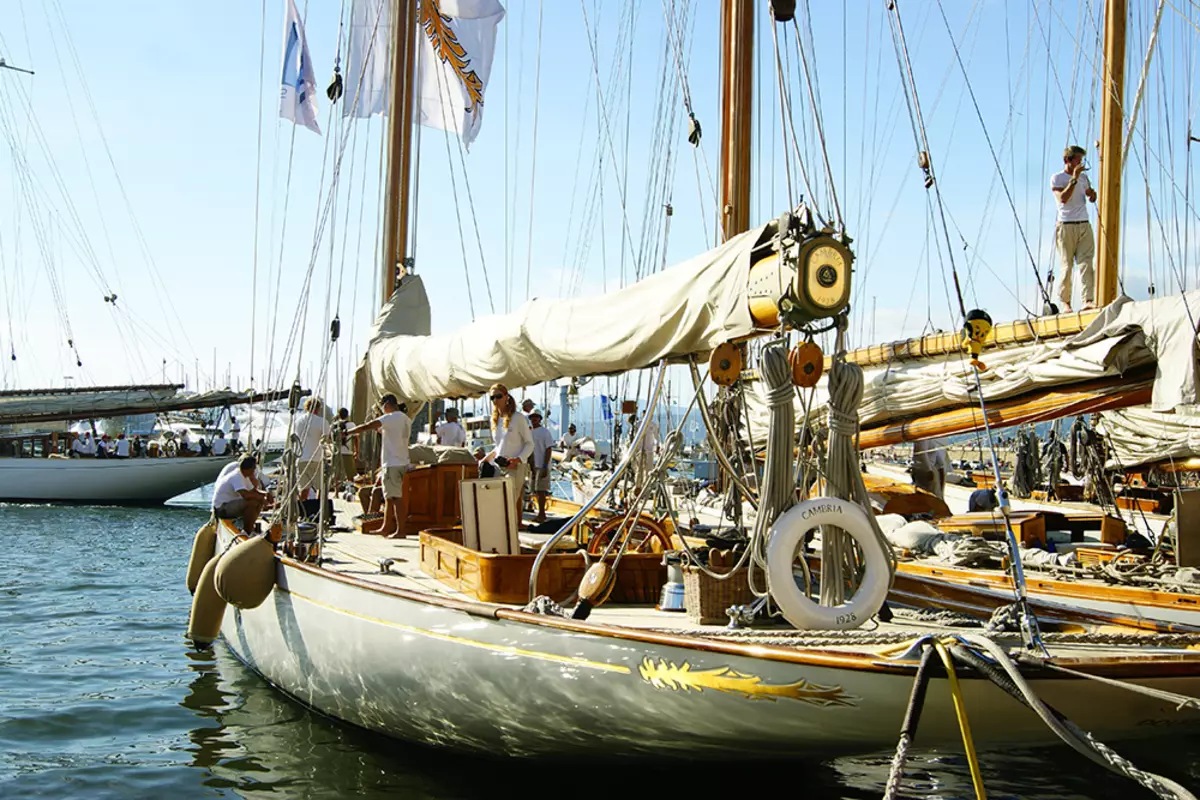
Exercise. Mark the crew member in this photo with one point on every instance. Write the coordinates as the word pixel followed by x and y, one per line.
pixel 543 443
pixel 239 494
pixel 451 433
pixel 310 425
pixel 1073 234
pixel 929 466
pixel 514 443
pixel 396 431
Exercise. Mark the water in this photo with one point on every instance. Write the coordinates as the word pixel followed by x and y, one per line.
pixel 100 697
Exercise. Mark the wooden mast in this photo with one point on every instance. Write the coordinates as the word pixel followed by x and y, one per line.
pixel 1111 131
pixel 737 62
pixel 399 151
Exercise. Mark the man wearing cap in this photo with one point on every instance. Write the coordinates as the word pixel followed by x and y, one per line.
pixel 1073 234
pixel 539 459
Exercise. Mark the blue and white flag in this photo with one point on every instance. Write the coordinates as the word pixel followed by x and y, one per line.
pixel 605 408
pixel 298 95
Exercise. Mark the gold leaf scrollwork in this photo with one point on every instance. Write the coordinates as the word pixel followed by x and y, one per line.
pixel 665 675
pixel 448 50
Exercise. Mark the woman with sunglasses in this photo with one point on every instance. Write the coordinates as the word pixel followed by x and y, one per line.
pixel 514 443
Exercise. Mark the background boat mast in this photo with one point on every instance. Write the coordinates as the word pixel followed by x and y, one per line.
pixel 1109 202
pixel 399 150
pixel 737 61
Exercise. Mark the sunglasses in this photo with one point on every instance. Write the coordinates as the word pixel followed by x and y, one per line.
pixel 497 397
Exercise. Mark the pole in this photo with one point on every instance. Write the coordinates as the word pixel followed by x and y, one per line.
pixel 1111 132
pixel 737 73
pixel 399 156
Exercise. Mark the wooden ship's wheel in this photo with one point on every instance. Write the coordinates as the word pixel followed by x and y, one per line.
pixel 648 536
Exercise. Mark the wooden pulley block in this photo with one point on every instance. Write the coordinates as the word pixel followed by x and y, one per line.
pixel 808 362
pixel 725 364
pixel 595 581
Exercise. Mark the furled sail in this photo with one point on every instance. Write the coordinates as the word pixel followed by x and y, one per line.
pixel 1140 436
pixel 47 405
pixel 688 308
pixel 1126 338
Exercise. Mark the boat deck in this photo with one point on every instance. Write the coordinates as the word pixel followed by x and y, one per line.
pixel 359 556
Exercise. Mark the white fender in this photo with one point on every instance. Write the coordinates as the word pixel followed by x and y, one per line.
pixel 786 536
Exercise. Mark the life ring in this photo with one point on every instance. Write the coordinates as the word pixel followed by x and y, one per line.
pixel 650 528
pixel 787 534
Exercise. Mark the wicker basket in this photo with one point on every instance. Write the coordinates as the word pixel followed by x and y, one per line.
pixel 705 598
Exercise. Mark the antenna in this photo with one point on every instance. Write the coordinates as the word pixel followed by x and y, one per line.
pixel 5 65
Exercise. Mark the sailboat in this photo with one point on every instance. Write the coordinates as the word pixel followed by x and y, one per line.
pixel 442 642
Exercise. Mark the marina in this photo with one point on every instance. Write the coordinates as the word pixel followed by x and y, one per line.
pixel 644 489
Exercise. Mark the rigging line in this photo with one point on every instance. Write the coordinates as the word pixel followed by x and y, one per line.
pixel 511 241
pixel 537 105
pixel 607 128
pixel 991 149
pixel 454 190
pixel 816 114
pixel 262 61
pixel 1137 97
pixel 475 223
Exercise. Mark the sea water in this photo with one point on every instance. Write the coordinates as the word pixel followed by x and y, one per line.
pixel 101 697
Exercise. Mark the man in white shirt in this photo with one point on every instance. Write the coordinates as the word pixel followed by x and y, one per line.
pixel 1073 235
pixel 310 426
pixel 567 442
pixel 239 494
pixel 514 442
pixel 396 432
pixel 643 460
pixel 220 444
pixel 451 433
pixel 929 466
pixel 543 442
pixel 79 446
pixel 122 448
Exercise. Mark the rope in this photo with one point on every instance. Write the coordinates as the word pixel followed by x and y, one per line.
pixel 908 729
pixel 778 491
pixel 960 712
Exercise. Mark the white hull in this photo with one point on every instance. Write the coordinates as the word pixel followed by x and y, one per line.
pixel 104 480
pixel 436 670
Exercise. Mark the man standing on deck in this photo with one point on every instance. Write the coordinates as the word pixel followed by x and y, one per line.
pixel 451 432
pixel 396 431
pixel 929 466
pixel 311 427
pixel 543 443
pixel 1073 234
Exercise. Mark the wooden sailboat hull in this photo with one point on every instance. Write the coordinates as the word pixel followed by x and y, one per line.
pixel 110 481
pixel 435 670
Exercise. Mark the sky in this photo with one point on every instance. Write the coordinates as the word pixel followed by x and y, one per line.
pixel 133 162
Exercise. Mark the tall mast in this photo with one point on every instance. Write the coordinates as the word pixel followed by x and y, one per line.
pixel 737 62
pixel 399 152
pixel 1108 246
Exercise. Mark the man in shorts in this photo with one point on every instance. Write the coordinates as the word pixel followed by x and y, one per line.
pixel 395 429
pixel 238 494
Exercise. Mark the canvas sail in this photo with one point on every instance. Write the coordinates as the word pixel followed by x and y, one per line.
pixel 689 308
pixel 48 405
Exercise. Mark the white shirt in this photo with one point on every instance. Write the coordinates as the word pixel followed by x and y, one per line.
pixel 396 429
pixel 543 440
pixel 650 440
pixel 513 440
pixel 451 434
pixel 219 446
pixel 569 439
pixel 930 454
pixel 1075 208
pixel 123 448
pixel 78 446
pixel 228 485
pixel 310 428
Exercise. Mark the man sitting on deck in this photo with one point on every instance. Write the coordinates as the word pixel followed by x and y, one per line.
pixel 396 430
pixel 238 494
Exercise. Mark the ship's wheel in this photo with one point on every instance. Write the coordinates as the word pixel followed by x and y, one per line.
pixel 649 535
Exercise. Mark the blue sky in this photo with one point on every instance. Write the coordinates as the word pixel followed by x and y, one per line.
pixel 177 92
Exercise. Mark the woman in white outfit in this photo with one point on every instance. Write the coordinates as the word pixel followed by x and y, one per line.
pixel 514 443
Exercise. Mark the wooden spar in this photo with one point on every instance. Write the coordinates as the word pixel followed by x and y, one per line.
pixel 399 152
pixel 1084 398
pixel 1111 132
pixel 171 404
pixel 737 62
pixel 946 343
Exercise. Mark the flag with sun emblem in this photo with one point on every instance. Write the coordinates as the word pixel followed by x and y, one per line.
pixel 458 40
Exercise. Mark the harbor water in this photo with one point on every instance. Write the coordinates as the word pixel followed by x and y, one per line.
pixel 101 697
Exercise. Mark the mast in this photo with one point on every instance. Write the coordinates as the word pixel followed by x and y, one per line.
pixel 737 61
pixel 399 150
pixel 1109 212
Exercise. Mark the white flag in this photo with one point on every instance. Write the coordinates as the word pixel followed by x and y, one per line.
pixel 298 95
pixel 368 59
pixel 458 40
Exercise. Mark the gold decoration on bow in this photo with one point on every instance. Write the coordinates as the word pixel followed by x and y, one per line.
pixel 665 675
pixel 447 48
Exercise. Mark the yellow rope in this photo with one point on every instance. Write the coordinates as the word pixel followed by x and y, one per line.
pixel 960 711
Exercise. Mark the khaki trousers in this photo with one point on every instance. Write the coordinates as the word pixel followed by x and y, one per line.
pixel 1076 245
pixel 516 483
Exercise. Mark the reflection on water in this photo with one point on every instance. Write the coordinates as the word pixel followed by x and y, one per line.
pixel 100 697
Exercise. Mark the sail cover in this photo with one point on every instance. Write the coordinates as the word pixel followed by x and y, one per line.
pixel 688 308
pixel 1126 335
pixel 1140 436
pixel 46 405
